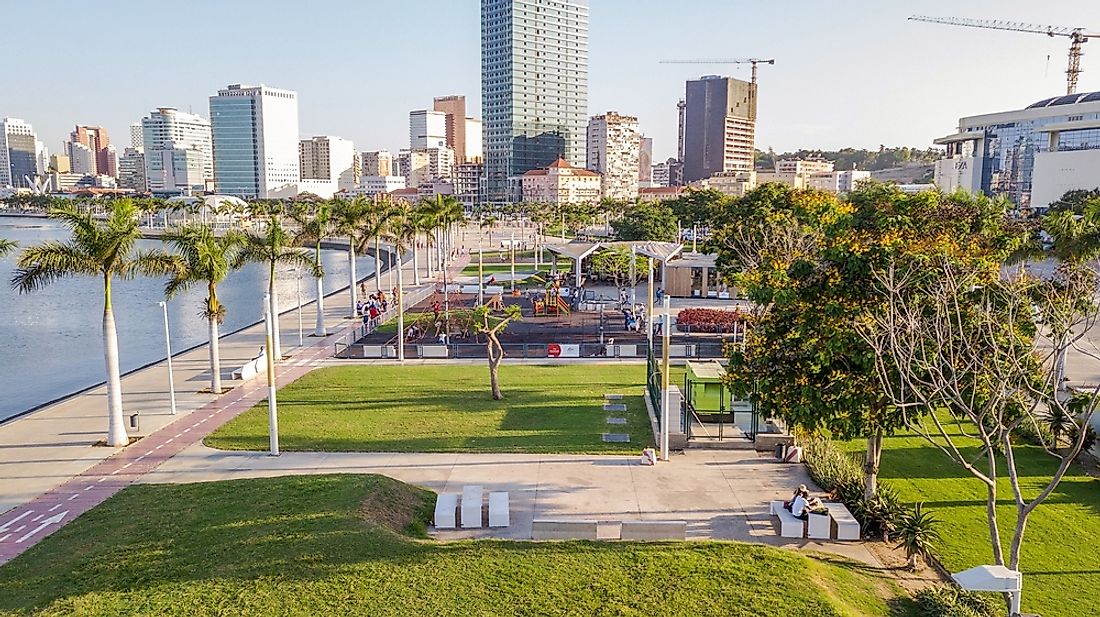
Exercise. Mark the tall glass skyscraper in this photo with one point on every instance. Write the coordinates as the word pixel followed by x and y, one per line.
pixel 534 88
pixel 255 136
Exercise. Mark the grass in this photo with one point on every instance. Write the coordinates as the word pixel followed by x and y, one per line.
pixel 1061 575
pixel 448 408
pixel 311 545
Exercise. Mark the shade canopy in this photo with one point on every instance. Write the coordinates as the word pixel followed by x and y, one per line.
pixel 989 578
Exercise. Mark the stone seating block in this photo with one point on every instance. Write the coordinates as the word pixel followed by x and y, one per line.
pixel 563 530
pixel 472 498
pixel 499 515
pixel 654 530
pixel 446 509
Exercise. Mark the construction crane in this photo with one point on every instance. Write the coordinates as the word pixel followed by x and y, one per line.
pixel 1077 38
pixel 752 61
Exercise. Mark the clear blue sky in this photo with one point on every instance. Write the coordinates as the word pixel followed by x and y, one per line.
pixel 851 73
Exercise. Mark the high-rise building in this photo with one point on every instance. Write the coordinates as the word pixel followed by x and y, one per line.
pixel 425 165
pixel 19 153
pixel 95 138
pixel 59 163
pixel 719 120
pixel 613 151
pixel 427 129
pixel 467 183
pixel 131 170
pixel 378 163
pixel 455 109
pixel 645 161
pixel 534 88
pixel 561 183
pixel 82 159
pixel 255 137
pixel 1032 155
pixel 178 150
pixel 137 137
pixel 328 158
pixel 475 148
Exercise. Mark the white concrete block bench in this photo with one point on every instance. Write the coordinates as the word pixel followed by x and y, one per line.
pixel 446 511
pixel 790 526
pixel 846 526
pixel 499 515
pixel 654 530
pixel 472 498
pixel 819 527
pixel 563 530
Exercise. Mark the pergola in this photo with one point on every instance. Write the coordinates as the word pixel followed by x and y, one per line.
pixel 662 252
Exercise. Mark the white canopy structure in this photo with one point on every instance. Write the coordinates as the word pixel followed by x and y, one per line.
pixel 578 251
pixel 993 578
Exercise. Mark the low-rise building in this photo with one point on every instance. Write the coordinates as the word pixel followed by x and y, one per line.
pixel 659 193
pixel 561 183
pixel 838 182
pixel 735 183
pixel 131 170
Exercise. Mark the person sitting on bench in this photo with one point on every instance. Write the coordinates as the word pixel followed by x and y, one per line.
pixel 799 506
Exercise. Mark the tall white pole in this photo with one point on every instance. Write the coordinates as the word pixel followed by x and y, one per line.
pixel 272 405
pixel 301 341
pixel 168 346
pixel 665 411
pixel 633 279
pixel 649 305
pixel 480 275
pixel 513 241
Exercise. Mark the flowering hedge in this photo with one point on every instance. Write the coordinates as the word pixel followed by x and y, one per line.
pixel 710 320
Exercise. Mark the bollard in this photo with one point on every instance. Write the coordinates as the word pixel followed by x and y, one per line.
pixel 134 425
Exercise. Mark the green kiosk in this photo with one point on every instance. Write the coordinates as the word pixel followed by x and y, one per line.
pixel 712 410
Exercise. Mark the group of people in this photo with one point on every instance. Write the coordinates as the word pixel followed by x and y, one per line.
pixel 802 504
pixel 373 308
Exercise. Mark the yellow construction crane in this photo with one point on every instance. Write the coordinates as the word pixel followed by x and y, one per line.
pixel 1077 38
pixel 752 61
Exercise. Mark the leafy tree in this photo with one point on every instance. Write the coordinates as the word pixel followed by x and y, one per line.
pixel 482 321
pixel 105 248
pixel 204 258
pixel 1075 201
pixel 315 223
pixel 698 207
pixel 615 263
pixel 647 221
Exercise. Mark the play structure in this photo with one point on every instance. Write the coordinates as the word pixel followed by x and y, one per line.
pixel 496 303
pixel 552 304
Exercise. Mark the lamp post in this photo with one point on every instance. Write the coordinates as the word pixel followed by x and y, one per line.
pixel 666 413
pixel 272 409
pixel 480 275
pixel 513 247
pixel 298 276
pixel 168 347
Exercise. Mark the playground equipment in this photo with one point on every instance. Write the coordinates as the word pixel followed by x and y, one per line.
pixel 496 303
pixel 552 304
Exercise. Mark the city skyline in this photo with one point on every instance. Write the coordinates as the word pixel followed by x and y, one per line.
pixel 931 75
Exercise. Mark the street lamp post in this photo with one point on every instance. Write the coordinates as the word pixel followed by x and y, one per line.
pixel 513 242
pixel 168 347
pixel 298 276
pixel 272 408
pixel 666 413
pixel 480 275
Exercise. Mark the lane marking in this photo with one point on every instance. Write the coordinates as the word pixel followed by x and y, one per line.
pixel 88 488
pixel 138 459
pixel 36 519
pixel 55 507
pixel 115 471
pixel 101 480
pixel 15 520
pixel 74 496
pixel 57 518
pixel 5 537
pixel 126 465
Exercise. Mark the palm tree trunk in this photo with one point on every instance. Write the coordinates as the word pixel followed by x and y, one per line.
pixel 400 300
pixel 351 275
pixel 416 264
pixel 319 328
pixel 215 358
pixel 116 427
pixel 276 345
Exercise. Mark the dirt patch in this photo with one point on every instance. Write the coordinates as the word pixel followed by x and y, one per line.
pixel 895 564
pixel 396 506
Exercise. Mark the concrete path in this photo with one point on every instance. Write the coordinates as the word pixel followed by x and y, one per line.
pixel 722 494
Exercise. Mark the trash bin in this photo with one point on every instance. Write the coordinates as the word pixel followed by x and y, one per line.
pixel 134 423
pixel 780 450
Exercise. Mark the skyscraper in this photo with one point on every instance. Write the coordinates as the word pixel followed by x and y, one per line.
pixel 534 88
pixel 178 150
pixel 427 129
pixel 719 127
pixel 455 109
pixel 94 138
pixel 613 152
pixel 377 163
pixel 19 148
pixel 329 158
pixel 255 137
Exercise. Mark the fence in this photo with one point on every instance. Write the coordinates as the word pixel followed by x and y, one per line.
pixel 524 351
pixel 347 341
pixel 653 383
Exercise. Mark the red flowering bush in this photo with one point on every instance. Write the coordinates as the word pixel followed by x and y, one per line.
pixel 710 320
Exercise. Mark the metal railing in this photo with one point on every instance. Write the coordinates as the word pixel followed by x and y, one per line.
pixel 345 342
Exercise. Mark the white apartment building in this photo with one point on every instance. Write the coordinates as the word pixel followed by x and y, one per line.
pixel 81 159
pixel 735 183
pixel 255 137
pixel 561 183
pixel 131 170
pixel 137 137
pixel 614 149
pixel 427 165
pixel 803 167
pixel 329 158
pixel 377 163
pixel 475 149
pixel 427 129
pixel 178 150
pixel 838 182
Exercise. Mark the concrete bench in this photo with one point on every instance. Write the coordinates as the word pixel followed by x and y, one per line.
pixel 819 527
pixel 654 530
pixel 446 511
pixel 472 496
pixel 434 351
pixel 499 515
pixel 563 530
pixel 790 526
pixel 846 525
pixel 251 368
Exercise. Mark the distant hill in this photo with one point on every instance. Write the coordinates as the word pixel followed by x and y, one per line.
pixel 913 173
pixel 851 158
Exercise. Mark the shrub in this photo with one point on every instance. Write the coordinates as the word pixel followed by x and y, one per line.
pixel 917 534
pixel 951 601
pixel 710 320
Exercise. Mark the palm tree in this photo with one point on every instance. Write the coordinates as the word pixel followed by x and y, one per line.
pixel 314 225
pixel 401 229
pixel 204 258
pixel 425 222
pixel 96 247
pixel 275 246
pixel 359 221
pixel 7 246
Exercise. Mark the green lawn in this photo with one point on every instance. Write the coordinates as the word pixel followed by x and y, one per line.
pixel 448 408
pixel 1060 561
pixel 340 545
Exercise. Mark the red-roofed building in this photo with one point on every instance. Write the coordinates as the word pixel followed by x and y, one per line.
pixel 659 193
pixel 561 183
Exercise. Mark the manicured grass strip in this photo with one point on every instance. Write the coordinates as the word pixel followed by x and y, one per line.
pixel 448 408
pixel 1061 576
pixel 307 545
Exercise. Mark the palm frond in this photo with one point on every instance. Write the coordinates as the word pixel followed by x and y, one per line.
pixel 42 264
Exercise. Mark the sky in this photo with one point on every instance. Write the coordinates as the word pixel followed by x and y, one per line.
pixel 852 73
